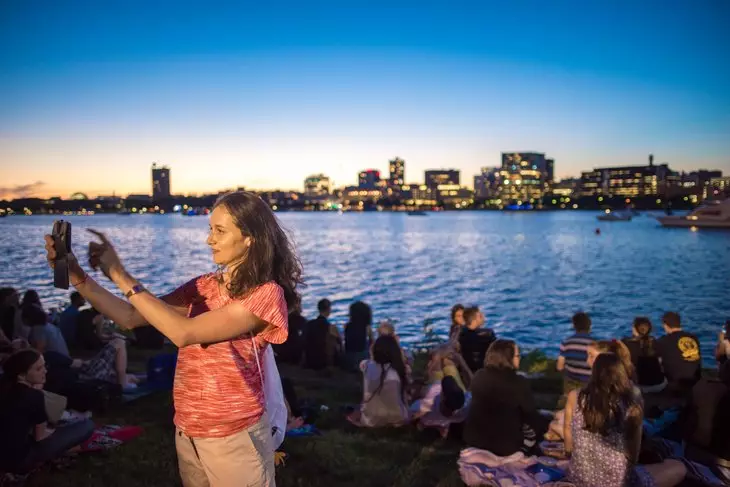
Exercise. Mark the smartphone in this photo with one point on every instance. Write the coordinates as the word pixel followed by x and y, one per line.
pixel 61 234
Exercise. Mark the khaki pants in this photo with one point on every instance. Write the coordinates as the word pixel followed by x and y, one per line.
pixel 242 459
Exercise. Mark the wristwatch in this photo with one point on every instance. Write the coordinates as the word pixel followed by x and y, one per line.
pixel 136 289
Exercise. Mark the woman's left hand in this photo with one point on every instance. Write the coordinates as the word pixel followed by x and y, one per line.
pixel 103 256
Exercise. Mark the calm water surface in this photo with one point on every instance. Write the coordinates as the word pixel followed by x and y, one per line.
pixel 529 272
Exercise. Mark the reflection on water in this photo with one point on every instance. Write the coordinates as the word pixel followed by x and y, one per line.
pixel 528 272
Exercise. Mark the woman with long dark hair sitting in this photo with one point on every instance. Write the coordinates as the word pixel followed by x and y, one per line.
pixel 642 345
pixel 358 334
pixel 26 438
pixel 222 322
pixel 602 433
pixel 502 417
pixel 385 382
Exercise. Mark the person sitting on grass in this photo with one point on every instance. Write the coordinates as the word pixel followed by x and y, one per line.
pixel 474 339
pixel 615 347
pixel 680 355
pixel 386 328
pixel 292 350
pixel 68 320
pixel 44 336
pixel 11 323
pixel 446 400
pixel 446 360
pixel 26 438
pixel 573 358
pixel 31 298
pixel 109 365
pixel 706 430
pixel 385 383
pixel 358 334
pixel 457 322
pixel 322 341
pixel 602 433
pixel 643 348
pixel 502 417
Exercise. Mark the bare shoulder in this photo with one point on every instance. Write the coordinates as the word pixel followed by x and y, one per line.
pixel 572 397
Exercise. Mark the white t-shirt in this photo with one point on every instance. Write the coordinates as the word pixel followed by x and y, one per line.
pixel 386 407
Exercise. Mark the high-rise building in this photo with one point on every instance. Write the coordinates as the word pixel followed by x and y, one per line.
pixel 486 183
pixel 438 177
pixel 317 185
pixel 397 172
pixel 160 182
pixel 524 177
pixel 550 171
pixel 369 179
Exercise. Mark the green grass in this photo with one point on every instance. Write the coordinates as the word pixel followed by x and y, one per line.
pixel 343 455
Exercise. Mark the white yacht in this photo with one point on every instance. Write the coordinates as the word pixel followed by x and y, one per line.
pixel 710 215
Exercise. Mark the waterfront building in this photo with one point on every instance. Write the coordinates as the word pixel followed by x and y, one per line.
pixel 160 182
pixel 397 173
pixel 525 177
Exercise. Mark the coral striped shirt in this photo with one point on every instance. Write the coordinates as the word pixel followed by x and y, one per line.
pixel 218 390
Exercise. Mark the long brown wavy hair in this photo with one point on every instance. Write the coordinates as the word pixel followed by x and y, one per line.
pixel 501 355
pixel 270 257
pixel 607 400
pixel 619 349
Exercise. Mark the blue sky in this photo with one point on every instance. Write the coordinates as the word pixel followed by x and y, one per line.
pixel 261 96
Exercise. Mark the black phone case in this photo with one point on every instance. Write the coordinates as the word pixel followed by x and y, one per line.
pixel 62 239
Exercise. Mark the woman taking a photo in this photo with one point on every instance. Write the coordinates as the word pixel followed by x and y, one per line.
pixel 220 321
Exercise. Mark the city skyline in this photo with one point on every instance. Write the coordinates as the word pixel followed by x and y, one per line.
pixel 263 98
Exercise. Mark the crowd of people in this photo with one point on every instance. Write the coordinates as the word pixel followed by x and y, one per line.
pixel 473 388
pixel 39 371
pixel 612 391
pixel 619 396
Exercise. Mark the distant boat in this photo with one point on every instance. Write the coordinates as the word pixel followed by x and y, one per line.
pixel 711 215
pixel 124 212
pixel 617 216
pixel 417 213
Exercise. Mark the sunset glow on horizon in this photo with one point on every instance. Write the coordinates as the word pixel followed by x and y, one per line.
pixel 261 98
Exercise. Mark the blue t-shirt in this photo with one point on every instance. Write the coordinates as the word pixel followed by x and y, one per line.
pixel 575 352
pixel 67 323
pixel 51 335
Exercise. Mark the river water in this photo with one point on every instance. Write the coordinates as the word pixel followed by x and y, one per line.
pixel 529 272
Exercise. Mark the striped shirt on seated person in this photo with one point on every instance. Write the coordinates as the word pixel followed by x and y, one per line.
pixel 573 358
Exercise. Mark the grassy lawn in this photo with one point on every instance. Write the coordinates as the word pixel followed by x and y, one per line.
pixel 343 455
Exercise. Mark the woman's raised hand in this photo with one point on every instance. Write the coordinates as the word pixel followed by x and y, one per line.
pixel 103 256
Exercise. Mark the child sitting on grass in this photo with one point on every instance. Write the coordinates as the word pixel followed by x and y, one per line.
pixel 385 382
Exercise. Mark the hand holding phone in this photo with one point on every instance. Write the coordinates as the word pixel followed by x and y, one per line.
pixel 61 236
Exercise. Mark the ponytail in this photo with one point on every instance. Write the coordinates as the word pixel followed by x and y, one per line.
pixel 643 328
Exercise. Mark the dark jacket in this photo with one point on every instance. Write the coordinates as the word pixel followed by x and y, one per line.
pixel 315 347
pixel 501 404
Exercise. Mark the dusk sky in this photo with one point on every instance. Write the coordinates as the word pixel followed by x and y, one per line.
pixel 91 93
